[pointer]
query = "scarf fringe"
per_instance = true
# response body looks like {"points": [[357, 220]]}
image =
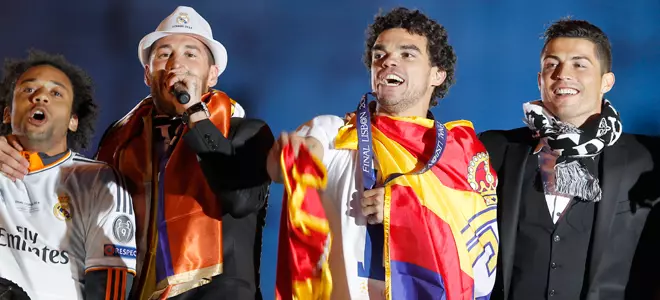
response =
{"points": [[566, 128], [573, 179]]}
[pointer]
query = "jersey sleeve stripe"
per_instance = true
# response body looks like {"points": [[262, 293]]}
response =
{"points": [[126, 195], [108, 285], [117, 284], [116, 288], [123, 198], [127, 204], [127, 201], [122, 288], [119, 195]]}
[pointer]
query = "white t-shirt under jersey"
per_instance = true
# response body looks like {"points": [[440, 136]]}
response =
{"points": [[63, 219], [342, 190]]}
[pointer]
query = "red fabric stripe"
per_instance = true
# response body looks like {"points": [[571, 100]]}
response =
{"points": [[433, 249], [462, 144], [298, 253]]}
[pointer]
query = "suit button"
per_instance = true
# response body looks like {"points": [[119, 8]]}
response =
{"points": [[556, 238], [553, 265], [552, 293], [207, 135]]}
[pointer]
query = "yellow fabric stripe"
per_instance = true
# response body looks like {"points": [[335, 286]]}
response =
{"points": [[386, 246], [233, 104]]}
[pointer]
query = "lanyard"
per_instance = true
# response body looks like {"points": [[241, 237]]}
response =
{"points": [[366, 153]]}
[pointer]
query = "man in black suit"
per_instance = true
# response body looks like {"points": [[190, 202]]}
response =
{"points": [[575, 191]]}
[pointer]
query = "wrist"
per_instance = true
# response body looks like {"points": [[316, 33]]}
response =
{"points": [[195, 113], [196, 117]]}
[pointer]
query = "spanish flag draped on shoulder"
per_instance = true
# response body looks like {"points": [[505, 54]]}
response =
{"points": [[304, 238], [440, 231]]}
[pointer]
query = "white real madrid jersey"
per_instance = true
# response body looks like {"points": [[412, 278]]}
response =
{"points": [[344, 191], [67, 217]]}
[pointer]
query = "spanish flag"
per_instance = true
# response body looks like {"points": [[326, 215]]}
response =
{"points": [[304, 241], [440, 231]]}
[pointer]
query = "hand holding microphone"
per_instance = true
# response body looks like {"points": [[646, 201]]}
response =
{"points": [[184, 85]]}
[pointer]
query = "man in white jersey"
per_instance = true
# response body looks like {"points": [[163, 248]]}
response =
{"points": [[444, 248], [67, 229], [210, 247]]}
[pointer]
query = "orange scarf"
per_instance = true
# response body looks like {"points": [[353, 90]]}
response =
{"points": [[184, 229]]}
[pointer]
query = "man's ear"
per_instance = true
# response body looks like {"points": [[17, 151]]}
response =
{"points": [[147, 75], [607, 82], [6, 115], [438, 76], [73, 123], [213, 76]]}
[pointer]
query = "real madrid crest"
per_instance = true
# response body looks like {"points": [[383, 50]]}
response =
{"points": [[182, 19], [481, 178], [62, 209]]}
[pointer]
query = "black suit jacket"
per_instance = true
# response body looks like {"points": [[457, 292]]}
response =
{"points": [[235, 168], [629, 174]]}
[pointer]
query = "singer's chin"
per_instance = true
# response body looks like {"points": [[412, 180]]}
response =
{"points": [[165, 107]]}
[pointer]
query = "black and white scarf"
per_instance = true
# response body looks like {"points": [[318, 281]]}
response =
{"points": [[574, 148]]}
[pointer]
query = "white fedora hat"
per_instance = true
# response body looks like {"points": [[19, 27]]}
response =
{"points": [[185, 20]]}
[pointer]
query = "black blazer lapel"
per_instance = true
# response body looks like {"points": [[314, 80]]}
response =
{"points": [[614, 160], [509, 204]]}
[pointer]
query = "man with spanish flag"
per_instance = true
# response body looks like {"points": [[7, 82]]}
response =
{"points": [[391, 204]]}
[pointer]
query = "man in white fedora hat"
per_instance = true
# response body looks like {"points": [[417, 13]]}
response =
{"points": [[195, 169]]}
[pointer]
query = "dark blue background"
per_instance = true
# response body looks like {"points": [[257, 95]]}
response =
{"points": [[290, 60]]}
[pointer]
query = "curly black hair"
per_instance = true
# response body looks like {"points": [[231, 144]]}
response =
{"points": [[84, 106], [415, 22], [568, 28]]}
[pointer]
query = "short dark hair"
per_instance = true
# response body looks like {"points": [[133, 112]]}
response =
{"points": [[84, 106], [415, 22], [567, 28]]}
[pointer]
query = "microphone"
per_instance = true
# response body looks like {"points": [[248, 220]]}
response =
{"points": [[181, 92]]}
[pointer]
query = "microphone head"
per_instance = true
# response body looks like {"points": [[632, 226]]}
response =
{"points": [[183, 98], [180, 92]]}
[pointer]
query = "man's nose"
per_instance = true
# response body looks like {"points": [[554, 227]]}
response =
{"points": [[40, 96]]}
